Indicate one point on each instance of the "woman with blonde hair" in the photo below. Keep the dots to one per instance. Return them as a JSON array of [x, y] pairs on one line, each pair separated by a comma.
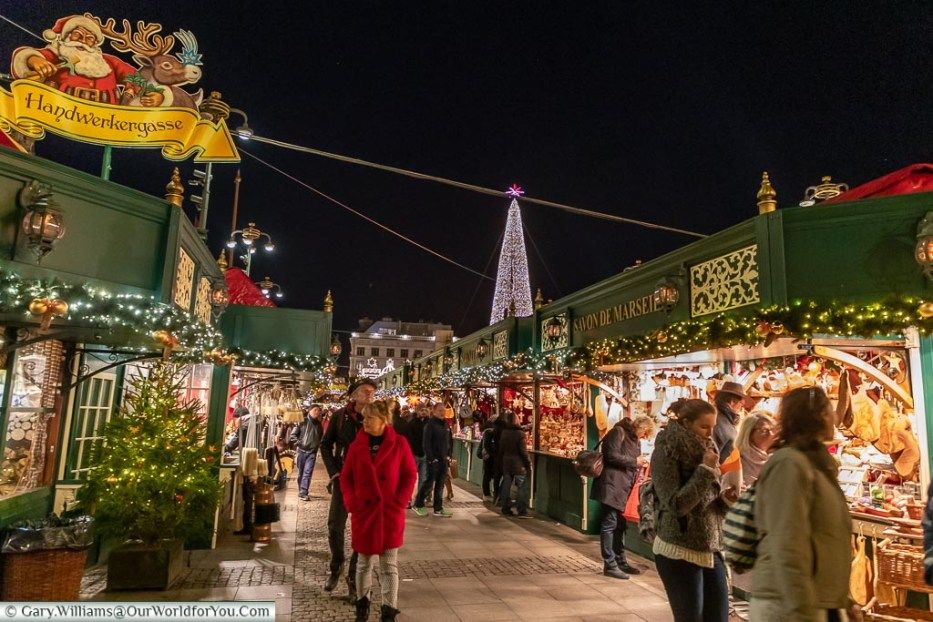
[[802, 519], [377, 480], [756, 436]]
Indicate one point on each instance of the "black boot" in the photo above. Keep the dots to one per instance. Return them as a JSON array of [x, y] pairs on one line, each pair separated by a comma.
[[614, 571], [351, 593], [362, 609], [627, 568], [388, 613], [332, 580]]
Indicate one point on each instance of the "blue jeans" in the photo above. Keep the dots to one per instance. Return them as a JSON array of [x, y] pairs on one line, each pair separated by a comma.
[[612, 537], [437, 472], [422, 467], [696, 594], [505, 492], [305, 466]]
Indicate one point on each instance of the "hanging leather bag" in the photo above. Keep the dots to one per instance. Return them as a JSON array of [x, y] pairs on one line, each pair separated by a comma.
[[589, 462]]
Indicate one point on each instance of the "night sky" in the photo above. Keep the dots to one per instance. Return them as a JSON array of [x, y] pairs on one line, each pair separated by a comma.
[[661, 114]]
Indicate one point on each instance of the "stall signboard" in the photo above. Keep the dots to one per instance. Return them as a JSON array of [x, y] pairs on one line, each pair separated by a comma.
[[372, 369], [590, 324], [71, 87]]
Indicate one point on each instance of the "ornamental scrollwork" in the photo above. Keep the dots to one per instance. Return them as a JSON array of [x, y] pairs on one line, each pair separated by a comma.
[[724, 283]]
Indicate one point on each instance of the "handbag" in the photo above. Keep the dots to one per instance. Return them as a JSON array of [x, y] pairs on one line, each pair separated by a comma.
[[740, 536], [630, 513], [589, 462]]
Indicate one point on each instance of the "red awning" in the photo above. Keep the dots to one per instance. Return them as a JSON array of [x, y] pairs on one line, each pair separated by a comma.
[[243, 291], [913, 178]]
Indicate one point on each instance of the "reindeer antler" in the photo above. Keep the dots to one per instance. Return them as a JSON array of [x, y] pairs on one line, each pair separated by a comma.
[[146, 41]]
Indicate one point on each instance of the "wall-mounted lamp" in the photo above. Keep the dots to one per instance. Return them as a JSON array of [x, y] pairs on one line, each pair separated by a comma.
[[43, 223], [924, 249], [335, 347]]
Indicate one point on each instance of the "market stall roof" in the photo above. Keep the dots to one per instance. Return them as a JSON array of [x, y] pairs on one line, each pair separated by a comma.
[[913, 178], [243, 291]]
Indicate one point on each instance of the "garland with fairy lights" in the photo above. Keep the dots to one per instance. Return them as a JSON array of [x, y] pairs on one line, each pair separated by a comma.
[[800, 319], [183, 337]]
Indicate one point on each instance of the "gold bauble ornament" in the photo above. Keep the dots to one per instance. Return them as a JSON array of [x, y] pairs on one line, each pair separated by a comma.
[[660, 336], [777, 328], [58, 307], [39, 306], [926, 310], [763, 329]]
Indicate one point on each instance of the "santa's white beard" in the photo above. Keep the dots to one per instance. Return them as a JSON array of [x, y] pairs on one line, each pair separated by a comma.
[[87, 61]]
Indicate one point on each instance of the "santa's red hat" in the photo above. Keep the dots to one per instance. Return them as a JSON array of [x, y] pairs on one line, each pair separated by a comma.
[[66, 24]]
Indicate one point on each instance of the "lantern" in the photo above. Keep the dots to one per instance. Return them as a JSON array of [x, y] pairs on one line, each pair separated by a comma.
[[666, 295], [335, 347], [924, 249], [43, 224], [481, 349]]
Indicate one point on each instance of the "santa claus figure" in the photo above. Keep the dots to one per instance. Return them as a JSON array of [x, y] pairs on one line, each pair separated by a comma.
[[74, 62]]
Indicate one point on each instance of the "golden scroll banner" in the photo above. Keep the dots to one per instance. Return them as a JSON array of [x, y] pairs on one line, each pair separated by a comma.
[[32, 108]]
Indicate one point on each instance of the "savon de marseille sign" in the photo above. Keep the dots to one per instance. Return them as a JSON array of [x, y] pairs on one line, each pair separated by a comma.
[[73, 88]]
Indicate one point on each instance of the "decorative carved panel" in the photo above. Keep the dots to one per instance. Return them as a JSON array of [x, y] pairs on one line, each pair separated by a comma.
[[725, 282], [202, 302], [500, 345], [184, 280]]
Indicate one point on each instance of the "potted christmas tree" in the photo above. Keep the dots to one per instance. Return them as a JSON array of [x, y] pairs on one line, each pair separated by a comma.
[[153, 483]]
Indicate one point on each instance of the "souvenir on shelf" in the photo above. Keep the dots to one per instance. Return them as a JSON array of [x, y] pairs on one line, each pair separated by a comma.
[[518, 401], [561, 424]]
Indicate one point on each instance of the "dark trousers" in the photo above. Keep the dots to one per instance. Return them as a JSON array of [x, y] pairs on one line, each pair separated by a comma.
[[696, 594], [248, 491], [490, 477], [521, 497], [336, 530], [437, 473], [612, 537]]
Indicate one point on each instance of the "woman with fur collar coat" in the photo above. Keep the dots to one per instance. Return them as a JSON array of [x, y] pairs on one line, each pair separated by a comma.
[[691, 508]]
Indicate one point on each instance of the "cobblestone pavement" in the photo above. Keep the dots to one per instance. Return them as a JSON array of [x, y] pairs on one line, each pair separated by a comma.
[[477, 565]]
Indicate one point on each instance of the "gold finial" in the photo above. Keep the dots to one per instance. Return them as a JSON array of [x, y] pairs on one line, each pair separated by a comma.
[[767, 195], [174, 191], [222, 261], [328, 303], [539, 300]]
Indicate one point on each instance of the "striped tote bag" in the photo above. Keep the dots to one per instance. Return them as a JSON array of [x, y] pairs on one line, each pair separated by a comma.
[[740, 537]]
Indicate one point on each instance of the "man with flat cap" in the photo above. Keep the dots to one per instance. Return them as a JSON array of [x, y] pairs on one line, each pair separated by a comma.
[[341, 431]]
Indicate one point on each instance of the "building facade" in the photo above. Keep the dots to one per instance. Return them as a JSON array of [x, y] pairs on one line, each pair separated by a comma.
[[381, 346]]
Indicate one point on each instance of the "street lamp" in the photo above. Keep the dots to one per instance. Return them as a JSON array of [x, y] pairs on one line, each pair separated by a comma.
[[244, 131], [268, 287], [481, 349], [248, 237]]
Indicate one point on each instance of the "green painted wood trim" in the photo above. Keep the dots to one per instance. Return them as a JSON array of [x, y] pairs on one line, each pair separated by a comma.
[[217, 409], [7, 396], [72, 182], [926, 367], [33, 504]]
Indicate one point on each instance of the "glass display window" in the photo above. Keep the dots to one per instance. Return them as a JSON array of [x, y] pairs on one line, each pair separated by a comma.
[[561, 419], [34, 403]]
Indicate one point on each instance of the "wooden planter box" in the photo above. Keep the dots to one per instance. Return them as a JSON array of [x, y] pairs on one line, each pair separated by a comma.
[[137, 566]]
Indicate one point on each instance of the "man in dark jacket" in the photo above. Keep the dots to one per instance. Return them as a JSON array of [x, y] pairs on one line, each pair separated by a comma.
[[487, 452], [621, 451], [516, 467], [306, 438], [729, 399], [436, 456], [416, 440], [341, 431]]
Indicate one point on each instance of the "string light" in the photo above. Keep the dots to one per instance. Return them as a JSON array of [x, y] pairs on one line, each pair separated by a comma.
[[512, 284]]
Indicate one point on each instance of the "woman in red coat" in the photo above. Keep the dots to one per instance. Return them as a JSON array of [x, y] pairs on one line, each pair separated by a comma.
[[377, 481]]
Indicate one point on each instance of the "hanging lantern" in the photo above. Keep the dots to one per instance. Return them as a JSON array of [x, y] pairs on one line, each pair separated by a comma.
[[43, 224], [448, 357], [335, 347], [666, 295], [481, 349], [924, 249]]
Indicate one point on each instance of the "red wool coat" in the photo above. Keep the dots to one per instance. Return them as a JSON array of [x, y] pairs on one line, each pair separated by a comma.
[[375, 492]]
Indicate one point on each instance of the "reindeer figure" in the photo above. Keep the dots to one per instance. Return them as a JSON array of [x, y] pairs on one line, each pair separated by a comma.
[[160, 75]]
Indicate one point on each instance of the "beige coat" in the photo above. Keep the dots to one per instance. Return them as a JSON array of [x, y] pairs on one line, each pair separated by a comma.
[[804, 556]]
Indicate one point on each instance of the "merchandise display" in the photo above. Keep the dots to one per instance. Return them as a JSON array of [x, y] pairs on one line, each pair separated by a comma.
[[518, 400], [561, 419]]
